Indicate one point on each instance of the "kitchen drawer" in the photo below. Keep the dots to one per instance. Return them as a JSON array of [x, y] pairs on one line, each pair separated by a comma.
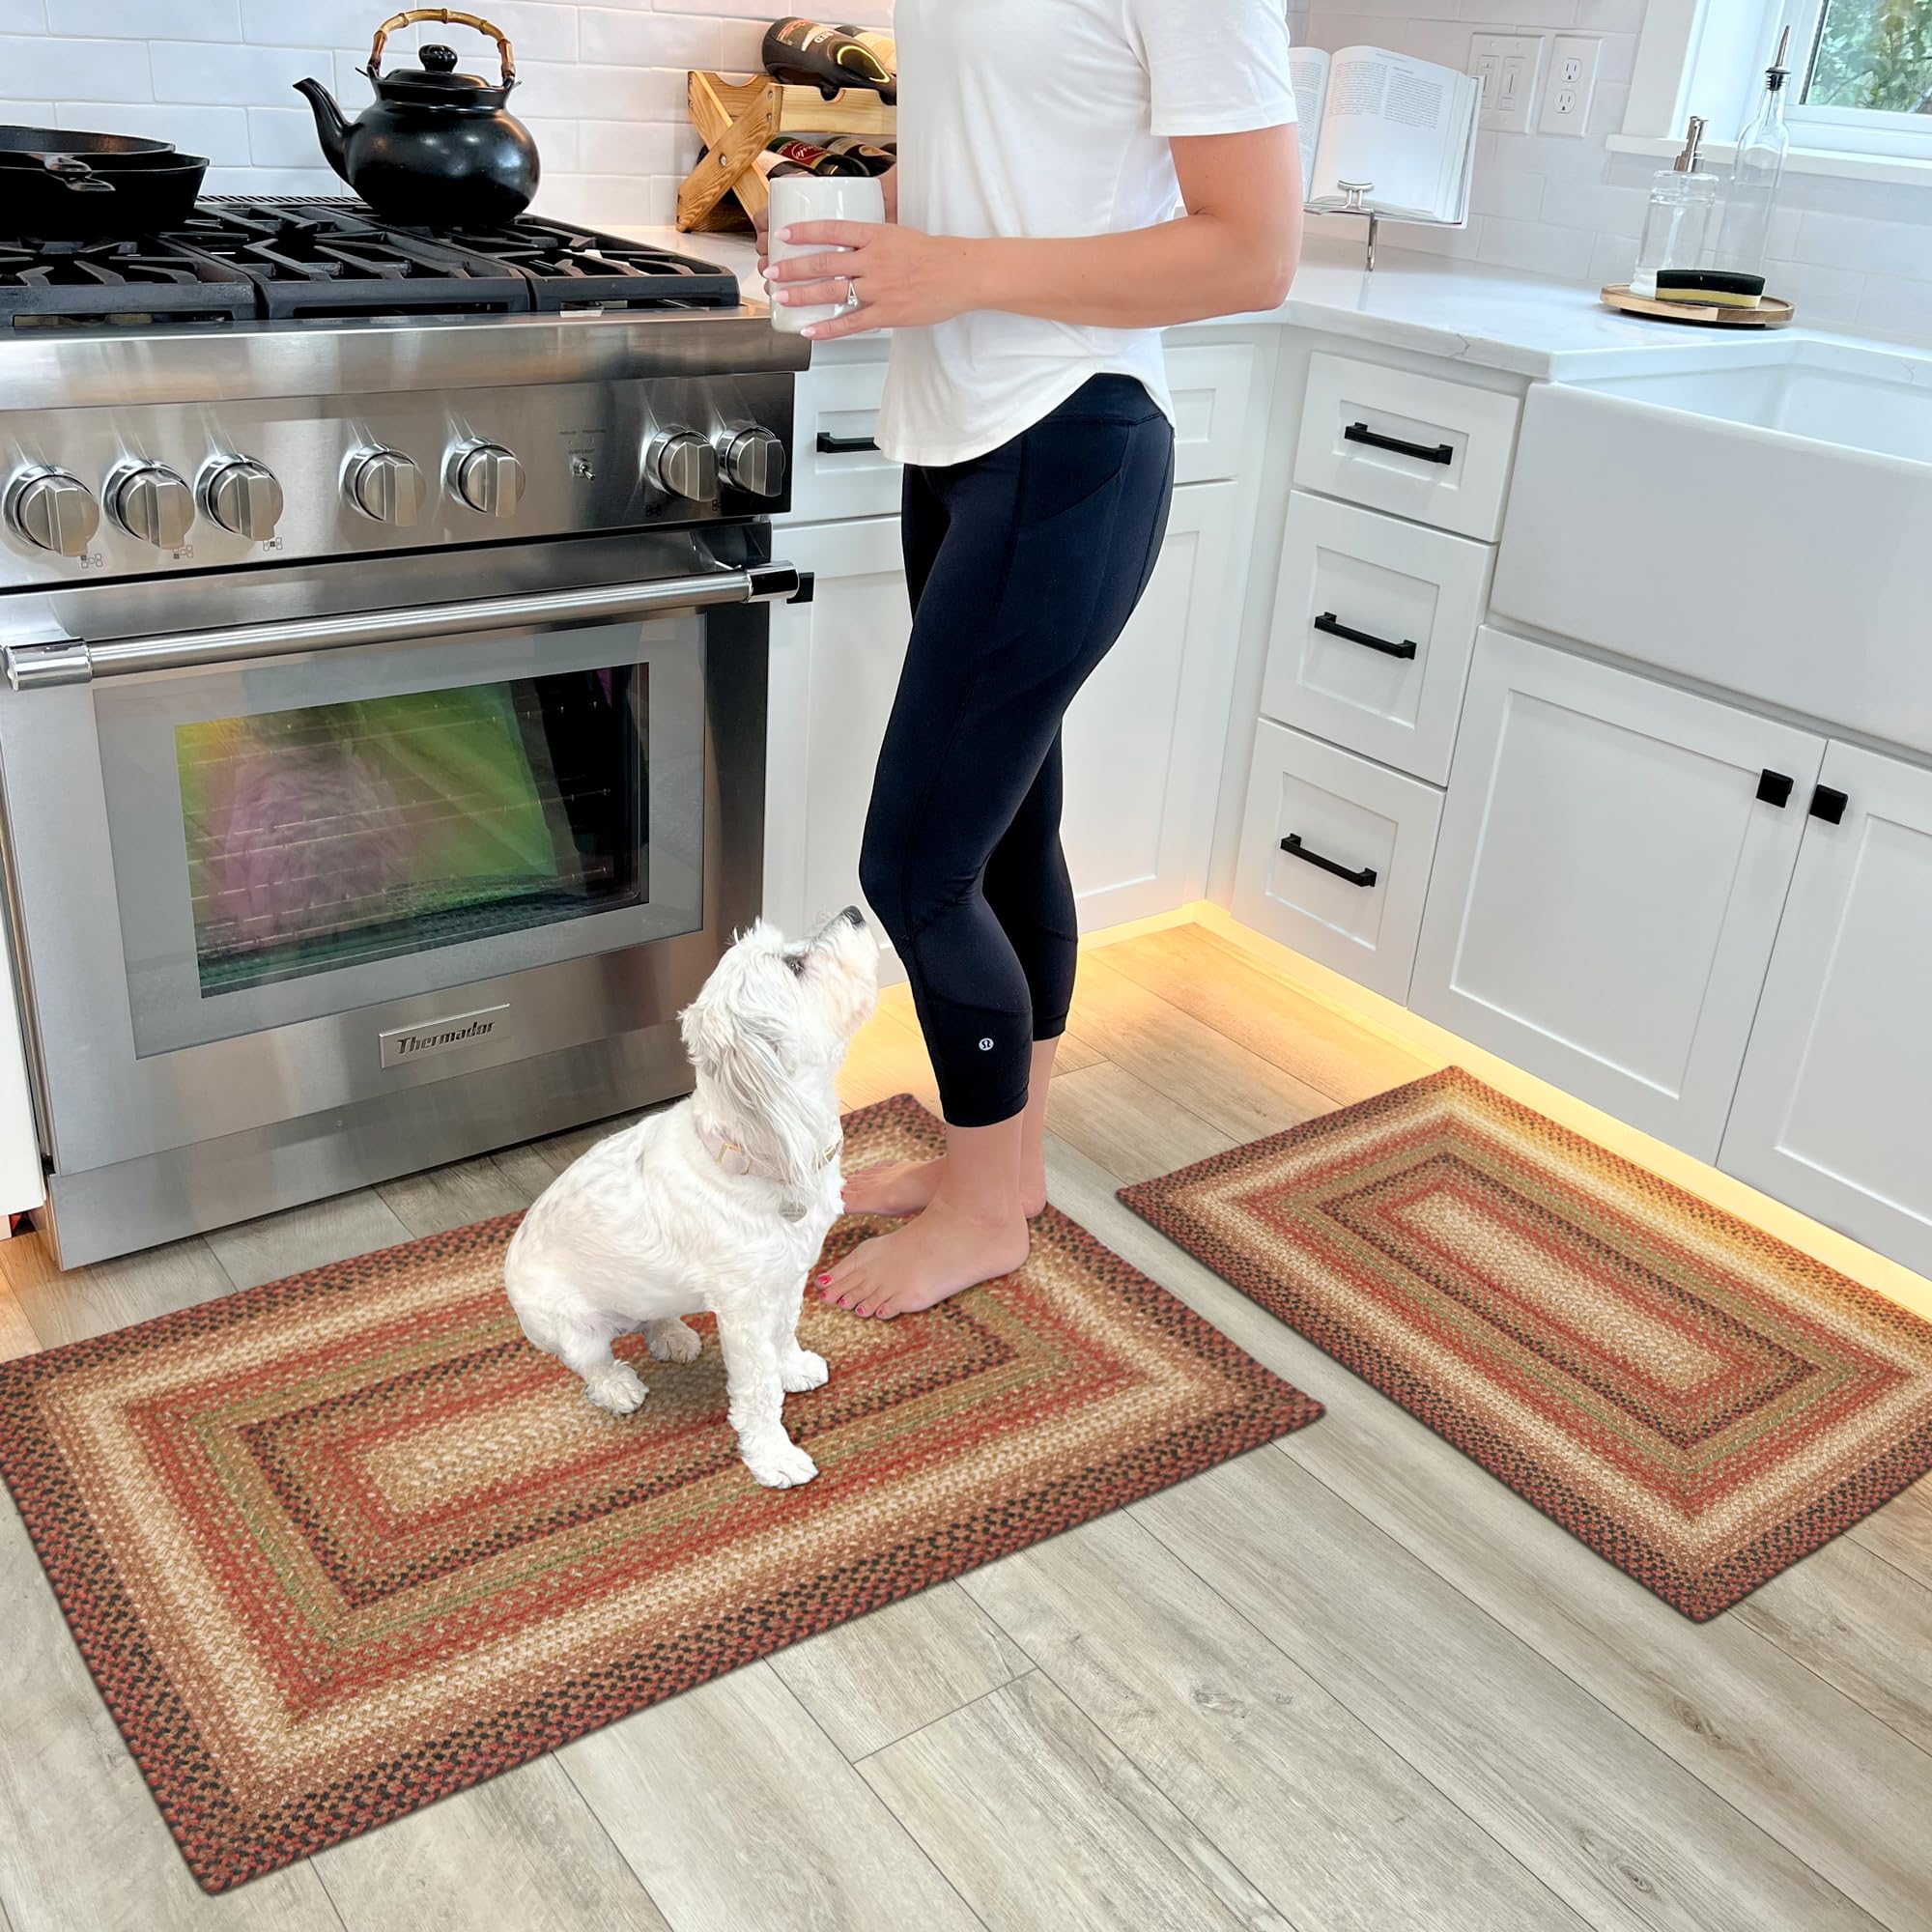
[[1451, 459], [1210, 383], [838, 402], [1412, 599], [1360, 910]]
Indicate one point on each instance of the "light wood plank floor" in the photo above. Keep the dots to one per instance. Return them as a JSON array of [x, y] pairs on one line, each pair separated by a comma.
[[1345, 1684]]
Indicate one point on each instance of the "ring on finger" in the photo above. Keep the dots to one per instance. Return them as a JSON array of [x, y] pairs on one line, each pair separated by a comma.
[[851, 293]]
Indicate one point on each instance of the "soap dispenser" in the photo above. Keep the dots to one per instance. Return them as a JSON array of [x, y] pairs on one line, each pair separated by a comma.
[[1676, 225]]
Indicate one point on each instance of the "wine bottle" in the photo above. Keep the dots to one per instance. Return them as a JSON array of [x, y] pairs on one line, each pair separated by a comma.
[[873, 158], [804, 53], [881, 46], [813, 159]]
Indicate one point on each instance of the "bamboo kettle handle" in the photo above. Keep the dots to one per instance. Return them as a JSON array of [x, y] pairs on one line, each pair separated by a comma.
[[446, 17]]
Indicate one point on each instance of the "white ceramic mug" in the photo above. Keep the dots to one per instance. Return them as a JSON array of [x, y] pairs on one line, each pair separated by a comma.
[[816, 198]]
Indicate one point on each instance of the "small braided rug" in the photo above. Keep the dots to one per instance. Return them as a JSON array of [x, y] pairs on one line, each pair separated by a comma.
[[339, 1545], [1700, 1403]]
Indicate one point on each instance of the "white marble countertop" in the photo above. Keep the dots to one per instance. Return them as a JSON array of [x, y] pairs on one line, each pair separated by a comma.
[[1494, 318]]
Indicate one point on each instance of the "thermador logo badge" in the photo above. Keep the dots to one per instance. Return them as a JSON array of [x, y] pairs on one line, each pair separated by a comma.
[[443, 1036]]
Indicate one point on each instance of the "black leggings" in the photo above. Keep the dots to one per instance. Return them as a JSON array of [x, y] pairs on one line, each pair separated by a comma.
[[1024, 566]]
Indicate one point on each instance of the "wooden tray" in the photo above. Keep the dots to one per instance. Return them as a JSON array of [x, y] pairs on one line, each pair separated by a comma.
[[1772, 311]]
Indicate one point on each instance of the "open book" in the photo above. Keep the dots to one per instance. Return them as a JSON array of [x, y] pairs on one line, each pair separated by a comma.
[[1406, 125]]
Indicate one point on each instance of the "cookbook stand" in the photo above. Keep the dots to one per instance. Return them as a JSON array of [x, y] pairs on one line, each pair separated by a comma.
[[1353, 193], [738, 121]]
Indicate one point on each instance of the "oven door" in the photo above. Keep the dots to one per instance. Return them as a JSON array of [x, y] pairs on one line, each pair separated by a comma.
[[266, 871]]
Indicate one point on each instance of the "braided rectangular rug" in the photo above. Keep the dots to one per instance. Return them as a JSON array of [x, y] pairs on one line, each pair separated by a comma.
[[342, 1545], [1700, 1403]]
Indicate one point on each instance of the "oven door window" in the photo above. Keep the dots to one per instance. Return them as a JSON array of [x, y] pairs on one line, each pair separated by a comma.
[[298, 838], [327, 836]]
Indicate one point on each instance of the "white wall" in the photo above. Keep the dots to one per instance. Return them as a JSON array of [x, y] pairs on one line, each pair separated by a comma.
[[1851, 254], [602, 88]]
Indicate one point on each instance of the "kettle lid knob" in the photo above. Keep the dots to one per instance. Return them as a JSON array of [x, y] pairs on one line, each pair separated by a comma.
[[438, 59]]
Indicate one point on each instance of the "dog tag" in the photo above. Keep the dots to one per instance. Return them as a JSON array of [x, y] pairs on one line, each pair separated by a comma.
[[792, 1210]]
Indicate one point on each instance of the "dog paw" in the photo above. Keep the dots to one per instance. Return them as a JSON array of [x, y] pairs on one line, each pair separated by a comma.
[[615, 1388], [673, 1342], [780, 1464], [804, 1370]]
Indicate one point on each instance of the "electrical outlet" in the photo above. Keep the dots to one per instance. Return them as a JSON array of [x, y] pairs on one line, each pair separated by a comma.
[[1573, 84], [1506, 64]]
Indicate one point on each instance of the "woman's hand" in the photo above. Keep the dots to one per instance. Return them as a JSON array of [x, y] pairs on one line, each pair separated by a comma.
[[902, 278], [761, 221]]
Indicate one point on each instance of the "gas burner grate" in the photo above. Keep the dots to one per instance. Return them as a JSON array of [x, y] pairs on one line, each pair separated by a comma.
[[312, 260], [239, 258], [578, 268], [132, 283]]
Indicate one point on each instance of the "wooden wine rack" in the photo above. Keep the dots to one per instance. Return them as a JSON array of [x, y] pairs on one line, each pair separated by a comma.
[[737, 120]]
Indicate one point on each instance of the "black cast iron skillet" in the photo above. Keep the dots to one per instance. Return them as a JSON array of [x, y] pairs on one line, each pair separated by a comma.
[[69, 198], [37, 146]]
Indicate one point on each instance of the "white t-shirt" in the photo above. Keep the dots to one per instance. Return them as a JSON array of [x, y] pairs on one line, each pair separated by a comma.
[[1051, 118]]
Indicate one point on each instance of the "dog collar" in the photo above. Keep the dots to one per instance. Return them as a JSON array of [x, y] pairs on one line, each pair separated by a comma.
[[734, 1160]]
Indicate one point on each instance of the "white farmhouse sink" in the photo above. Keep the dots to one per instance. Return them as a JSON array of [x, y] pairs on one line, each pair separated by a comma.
[[1859, 399], [1756, 516]]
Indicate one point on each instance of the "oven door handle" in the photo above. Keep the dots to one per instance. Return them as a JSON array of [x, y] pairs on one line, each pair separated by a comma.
[[72, 662]]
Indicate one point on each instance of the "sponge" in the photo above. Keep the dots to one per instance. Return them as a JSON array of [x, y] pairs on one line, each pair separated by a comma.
[[1721, 288]]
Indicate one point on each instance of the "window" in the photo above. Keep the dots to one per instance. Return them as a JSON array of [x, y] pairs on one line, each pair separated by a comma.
[[1859, 100]]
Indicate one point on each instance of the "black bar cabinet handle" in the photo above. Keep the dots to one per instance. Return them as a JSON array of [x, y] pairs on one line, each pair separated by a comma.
[[1295, 849], [1829, 803], [1330, 622], [845, 445], [1443, 452], [1775, 787]]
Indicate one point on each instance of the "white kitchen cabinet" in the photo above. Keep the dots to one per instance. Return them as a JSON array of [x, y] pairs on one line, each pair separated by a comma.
[[1335, 857], [1830, 1109], [1436, 448], [834, 667], [22, 1179], [1143, 738], [1608, 883], [1375, 619]]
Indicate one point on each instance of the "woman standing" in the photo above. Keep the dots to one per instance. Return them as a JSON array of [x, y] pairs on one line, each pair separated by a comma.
[[1029, 260]]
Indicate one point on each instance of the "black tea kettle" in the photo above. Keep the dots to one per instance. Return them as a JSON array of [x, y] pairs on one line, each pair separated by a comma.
[[437, 148]]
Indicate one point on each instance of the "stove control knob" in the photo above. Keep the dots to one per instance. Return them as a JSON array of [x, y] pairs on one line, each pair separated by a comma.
[[243, 498], [753, 460], [386, 485], [490, 478], [153, 503], [682, 463], [53, 511]]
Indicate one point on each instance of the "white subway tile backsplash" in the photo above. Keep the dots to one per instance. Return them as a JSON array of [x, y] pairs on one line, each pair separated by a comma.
[[1540, 250], [1600, 206], [648, 39], [27, 113], [122, 19], [24, 16], [241, 75], [1507, 192], [283, 137], [633, 148], [62, 69]]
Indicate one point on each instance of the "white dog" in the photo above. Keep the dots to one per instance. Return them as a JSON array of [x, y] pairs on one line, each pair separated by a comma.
[[722, 1203]]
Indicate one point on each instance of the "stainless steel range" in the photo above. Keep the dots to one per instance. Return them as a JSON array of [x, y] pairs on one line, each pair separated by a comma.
[[383, 733]]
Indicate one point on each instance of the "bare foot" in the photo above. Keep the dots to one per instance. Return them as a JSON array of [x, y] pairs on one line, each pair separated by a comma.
[[901, 1187], [939, 1253]]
